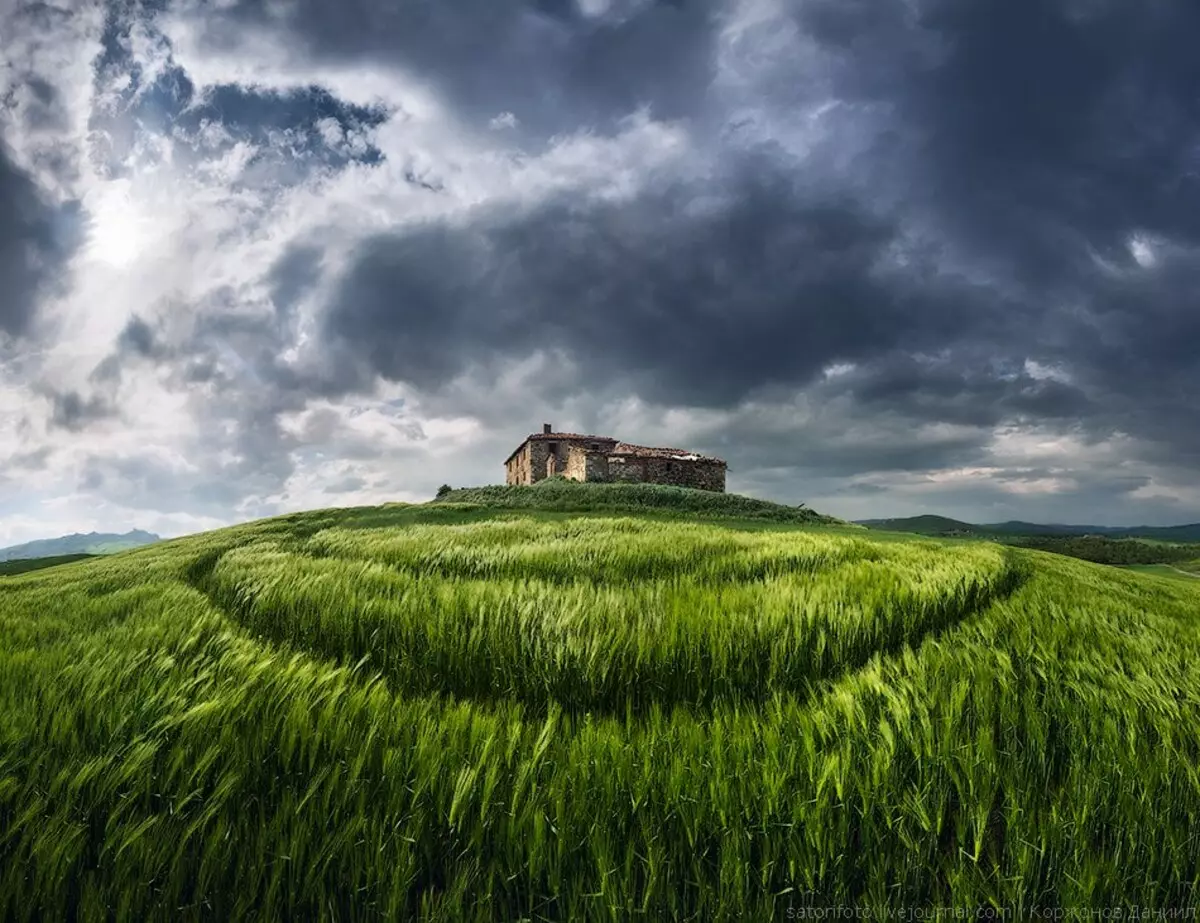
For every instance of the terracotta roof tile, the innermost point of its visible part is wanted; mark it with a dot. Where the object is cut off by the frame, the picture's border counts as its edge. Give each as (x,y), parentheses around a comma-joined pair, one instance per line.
(618,447)
(545,436)
(644,451)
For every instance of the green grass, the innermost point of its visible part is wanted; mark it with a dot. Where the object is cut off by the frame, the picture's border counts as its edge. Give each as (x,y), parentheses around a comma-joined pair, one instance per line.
(1183,571)
(561,494)
(450,713)
(24,565)
(606,615)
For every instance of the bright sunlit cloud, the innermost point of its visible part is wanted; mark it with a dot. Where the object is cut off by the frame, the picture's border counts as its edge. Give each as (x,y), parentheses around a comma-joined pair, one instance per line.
(120,228)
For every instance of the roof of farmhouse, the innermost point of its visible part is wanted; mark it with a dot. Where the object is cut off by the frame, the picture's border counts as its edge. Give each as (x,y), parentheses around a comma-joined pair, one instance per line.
(616,447)
(645,451)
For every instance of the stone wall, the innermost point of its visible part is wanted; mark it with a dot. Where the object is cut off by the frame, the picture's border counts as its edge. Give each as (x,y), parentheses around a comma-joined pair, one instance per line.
(528,465)
(596,468)
(571,459)
(576,466)
(576,460)
(623,468)
(539,454)
(517,469)
(697,473)
(584,464)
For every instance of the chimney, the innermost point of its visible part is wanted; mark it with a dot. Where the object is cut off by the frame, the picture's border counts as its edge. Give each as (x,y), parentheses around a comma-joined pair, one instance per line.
(547,428)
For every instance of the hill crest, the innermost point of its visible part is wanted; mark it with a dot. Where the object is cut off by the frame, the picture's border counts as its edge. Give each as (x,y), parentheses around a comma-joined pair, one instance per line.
(563,495)
(929,524)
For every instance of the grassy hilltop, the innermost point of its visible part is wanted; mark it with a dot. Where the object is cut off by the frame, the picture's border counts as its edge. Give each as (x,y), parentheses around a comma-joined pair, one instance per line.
(510,708)
(558,494)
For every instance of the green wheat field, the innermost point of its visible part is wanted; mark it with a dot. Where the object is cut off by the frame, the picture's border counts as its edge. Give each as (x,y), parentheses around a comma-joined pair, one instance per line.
(641,705)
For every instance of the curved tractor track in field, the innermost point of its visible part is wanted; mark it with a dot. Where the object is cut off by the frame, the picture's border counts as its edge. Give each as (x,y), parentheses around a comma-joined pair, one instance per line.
(608,617)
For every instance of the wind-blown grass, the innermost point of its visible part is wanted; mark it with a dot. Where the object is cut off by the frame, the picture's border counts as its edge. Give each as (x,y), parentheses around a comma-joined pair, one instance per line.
(207,729)
(608,615)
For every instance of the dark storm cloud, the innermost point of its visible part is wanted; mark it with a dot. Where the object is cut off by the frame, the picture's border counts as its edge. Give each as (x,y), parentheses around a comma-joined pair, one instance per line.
(1142,352)
(234,350)
(1096,124)
(1050,134)
(835,449)
(1035,140)
(1055,132)
(963,389)
(767,286)
(1004,155)
(1046,127)
(547,62)
(35,240)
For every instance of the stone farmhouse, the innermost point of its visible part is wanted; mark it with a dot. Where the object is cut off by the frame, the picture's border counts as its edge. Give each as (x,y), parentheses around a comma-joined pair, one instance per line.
(602,458)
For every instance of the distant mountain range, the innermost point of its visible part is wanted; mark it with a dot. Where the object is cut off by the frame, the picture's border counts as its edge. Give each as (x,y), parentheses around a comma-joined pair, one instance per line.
(941,525)
(78,543)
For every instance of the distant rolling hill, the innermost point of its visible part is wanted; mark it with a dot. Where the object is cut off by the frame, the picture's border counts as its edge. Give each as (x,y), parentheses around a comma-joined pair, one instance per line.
(921,525)
(1185,533)
(79,543)
(941,525)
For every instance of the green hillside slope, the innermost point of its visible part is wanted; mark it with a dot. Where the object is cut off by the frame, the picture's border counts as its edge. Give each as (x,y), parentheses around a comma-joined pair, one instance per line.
(923,525)
(1104,550)
(24,565)
(453,712)
(1171,571)
(1186,533)
(563,495)
(942,525)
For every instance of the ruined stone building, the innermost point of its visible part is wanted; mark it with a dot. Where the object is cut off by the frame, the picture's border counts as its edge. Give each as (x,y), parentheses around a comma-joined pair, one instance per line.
(602,458)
